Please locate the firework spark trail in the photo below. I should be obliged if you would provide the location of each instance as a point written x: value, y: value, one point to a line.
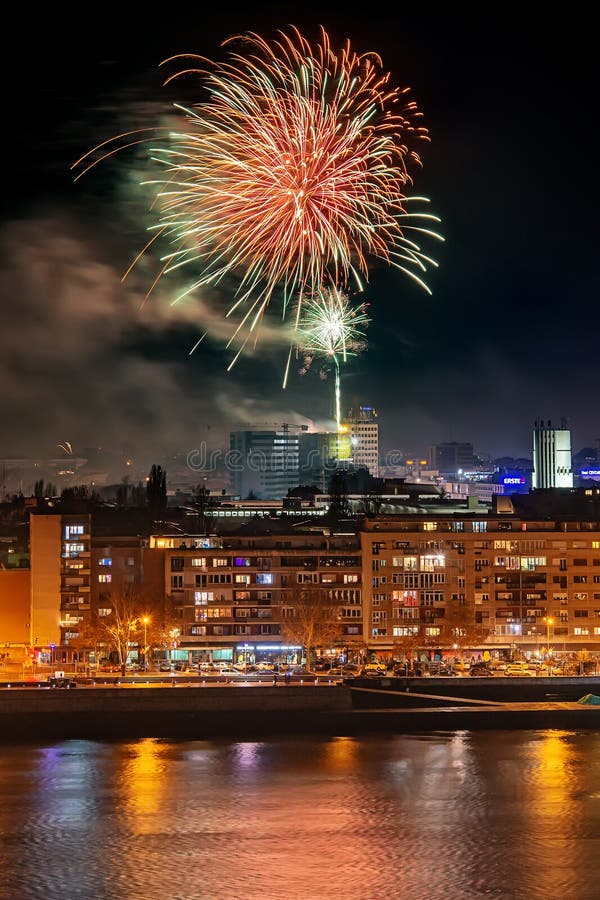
x: 331, y: 327
x: 290, y: 175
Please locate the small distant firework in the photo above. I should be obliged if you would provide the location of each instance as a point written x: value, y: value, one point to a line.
x: 332, y: 328
x: 291, y: 174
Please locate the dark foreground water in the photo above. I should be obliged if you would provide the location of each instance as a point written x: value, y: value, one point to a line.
x: 494, y: 814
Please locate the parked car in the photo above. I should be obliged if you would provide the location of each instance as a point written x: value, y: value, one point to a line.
x: 109, y: 669
x: 350, y: 670
x: 519, y: 668
x: 460, y: 666
x: 374, y: 670
x: 480, y: 669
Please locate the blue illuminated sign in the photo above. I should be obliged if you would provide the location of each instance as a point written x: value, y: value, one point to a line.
x: 514, y: 479
x: 590, y: 473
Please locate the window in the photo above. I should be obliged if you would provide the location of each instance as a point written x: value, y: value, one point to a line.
x: 351, y: 579
x: 264, y: 578
x: 580, y: 579
x: 242, y: 561
x: 198, y: 629
x: 405, y: 630
x: 432, y: 631
x: 71, y: 530
x: 130, y: 561
x: 104, y: 579
x: 379, y: 616
x: 201, y: 598
x: 177, y: 564
x: 580, y: 562
x: 479, y: 526
x: 219, y: 612
x: 530, y: 563
x: 379, y: 632
x: 351, y: 613
x: 581, y: 613
x: 74, y: 549
x: 199, y: 562
x: 176, y: 582
x: 104, y: 611
x: 105, y: 561
x: 583, y: 631
x: 219, y: 561
x: 307, y: 577
x: 242, y: 579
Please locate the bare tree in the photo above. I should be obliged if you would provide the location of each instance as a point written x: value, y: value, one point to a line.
x: 310, y: 617
x: 460, y: 627
x: 91, y: 638
x: 123, y: 626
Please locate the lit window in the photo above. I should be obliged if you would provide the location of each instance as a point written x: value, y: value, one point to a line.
x: 201, y: 598
x: 264, y: 578
x: 104, y: 611
x: 199, y: 562
x: 105, y: 561
x: 105, y: 579
x: 242, y: 561
x: 242, y: 579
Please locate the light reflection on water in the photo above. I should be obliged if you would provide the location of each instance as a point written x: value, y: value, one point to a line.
x: 489, y: 814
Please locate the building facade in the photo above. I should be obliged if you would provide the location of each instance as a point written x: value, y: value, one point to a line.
x: 264, y: 464
x: 476, y: 577
x: 231, y: 595
x: 362, y: 426
x: 551, y: 457
x: 451, y: 458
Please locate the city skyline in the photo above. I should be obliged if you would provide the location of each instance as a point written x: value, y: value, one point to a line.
x: 499, y: 344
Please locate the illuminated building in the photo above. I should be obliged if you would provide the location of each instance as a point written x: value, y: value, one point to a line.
x: 361, y: 424
x: 551, y: 456
x: 264, y: 463
x: 320, y: 453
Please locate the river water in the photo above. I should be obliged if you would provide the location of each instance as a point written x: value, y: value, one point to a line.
x: 443, y: 815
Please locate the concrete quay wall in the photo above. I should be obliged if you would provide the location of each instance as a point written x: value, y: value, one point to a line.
x: 191, y: 712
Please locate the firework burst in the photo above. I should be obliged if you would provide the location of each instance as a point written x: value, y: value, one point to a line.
x: 291, y: 174
x: 331, y: 328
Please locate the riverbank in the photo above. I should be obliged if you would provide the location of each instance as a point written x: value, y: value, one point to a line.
x: 194, y: 712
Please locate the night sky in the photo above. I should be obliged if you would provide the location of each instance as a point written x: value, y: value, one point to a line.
x: 509, y: 335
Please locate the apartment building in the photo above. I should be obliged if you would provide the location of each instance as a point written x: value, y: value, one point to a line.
x: 232, y: 594
x: 77, y: 568
x: 523, y: 583
x: 513, y: 579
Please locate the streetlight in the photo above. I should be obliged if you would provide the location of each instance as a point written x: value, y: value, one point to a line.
x: 549, y: 621
x: 145, y: 620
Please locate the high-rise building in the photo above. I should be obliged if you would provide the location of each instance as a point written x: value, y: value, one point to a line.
x: 264, y: 463
x: 451, y: 458
x: 361, y: 425
x: 321, y: 453
x: 551, y: 456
